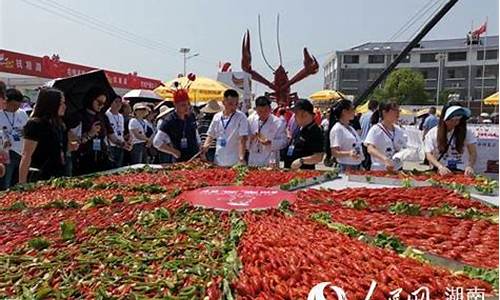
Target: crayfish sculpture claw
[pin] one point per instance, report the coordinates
(246, 62)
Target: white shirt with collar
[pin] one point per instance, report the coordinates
(12, 123)
(272, 129)
(118, 124)
(228, 130)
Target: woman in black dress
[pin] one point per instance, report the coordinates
(45, 138)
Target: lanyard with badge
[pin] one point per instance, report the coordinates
(184, 141)
(451, 163)
(222, 140)
(356, 146)
(258, 132)
(291, 148)
(390, 136)
(117, 124)
(15, 134)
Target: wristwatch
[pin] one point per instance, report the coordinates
(301, 160)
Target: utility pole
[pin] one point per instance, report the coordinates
(439, 15)
(441, 57)
(184, 52)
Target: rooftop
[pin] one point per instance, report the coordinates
(425, 45)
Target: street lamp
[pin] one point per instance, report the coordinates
(441, 57)
(185, 52)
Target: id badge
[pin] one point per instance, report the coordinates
(96, 145)
(184, 143)
(452, 164)
(291, 148)
(222, 142)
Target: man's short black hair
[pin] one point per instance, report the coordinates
(373, 105)
(305, 105)
(14, 95)
(262, 101)
(3, 87)
(231, 93)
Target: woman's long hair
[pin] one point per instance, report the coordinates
(377, 115)
(47, 106)
(459, 131)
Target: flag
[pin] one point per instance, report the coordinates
(480, 30)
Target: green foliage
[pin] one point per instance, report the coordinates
(405, 85)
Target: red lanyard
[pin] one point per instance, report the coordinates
(391, 137)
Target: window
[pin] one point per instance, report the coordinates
(455, 74)
(489, 72)
(350, 74)
(457, 56)
(490, 54)
(429, 74)
(373, 74)
(376, 59)
(351, 59)
(428, 57)
(404, 60)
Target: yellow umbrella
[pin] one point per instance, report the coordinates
(203, 89)
(424, 111)
(362, 108)
(406, 112)
(492, 99)
(327, 95)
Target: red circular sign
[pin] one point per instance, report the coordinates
(238, 197)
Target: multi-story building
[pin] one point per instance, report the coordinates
(452, 64)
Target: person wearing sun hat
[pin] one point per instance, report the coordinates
(208, 113)
(178, 134)
(138, 128)
(451, 146)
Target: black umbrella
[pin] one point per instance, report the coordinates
(76, 87)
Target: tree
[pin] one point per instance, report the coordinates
(405, 85)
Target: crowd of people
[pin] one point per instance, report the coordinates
(110, 133)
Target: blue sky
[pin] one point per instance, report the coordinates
(214, 29)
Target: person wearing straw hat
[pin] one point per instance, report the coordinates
(208, 113)
(178, 134)
(163, 158)
(451, 146)
(138, 128)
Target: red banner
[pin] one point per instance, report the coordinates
(238, 197)
(53, 67)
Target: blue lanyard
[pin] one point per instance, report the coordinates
(263, 123)
(8, 120)
(227, 124)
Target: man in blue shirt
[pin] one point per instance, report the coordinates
(366, 124)
(178, 134)
(431, 121)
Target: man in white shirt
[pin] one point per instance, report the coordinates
(116, 140)
(230, 129)
(267, 135)
(12, 121)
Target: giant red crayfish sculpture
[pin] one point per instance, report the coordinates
(281, 83)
